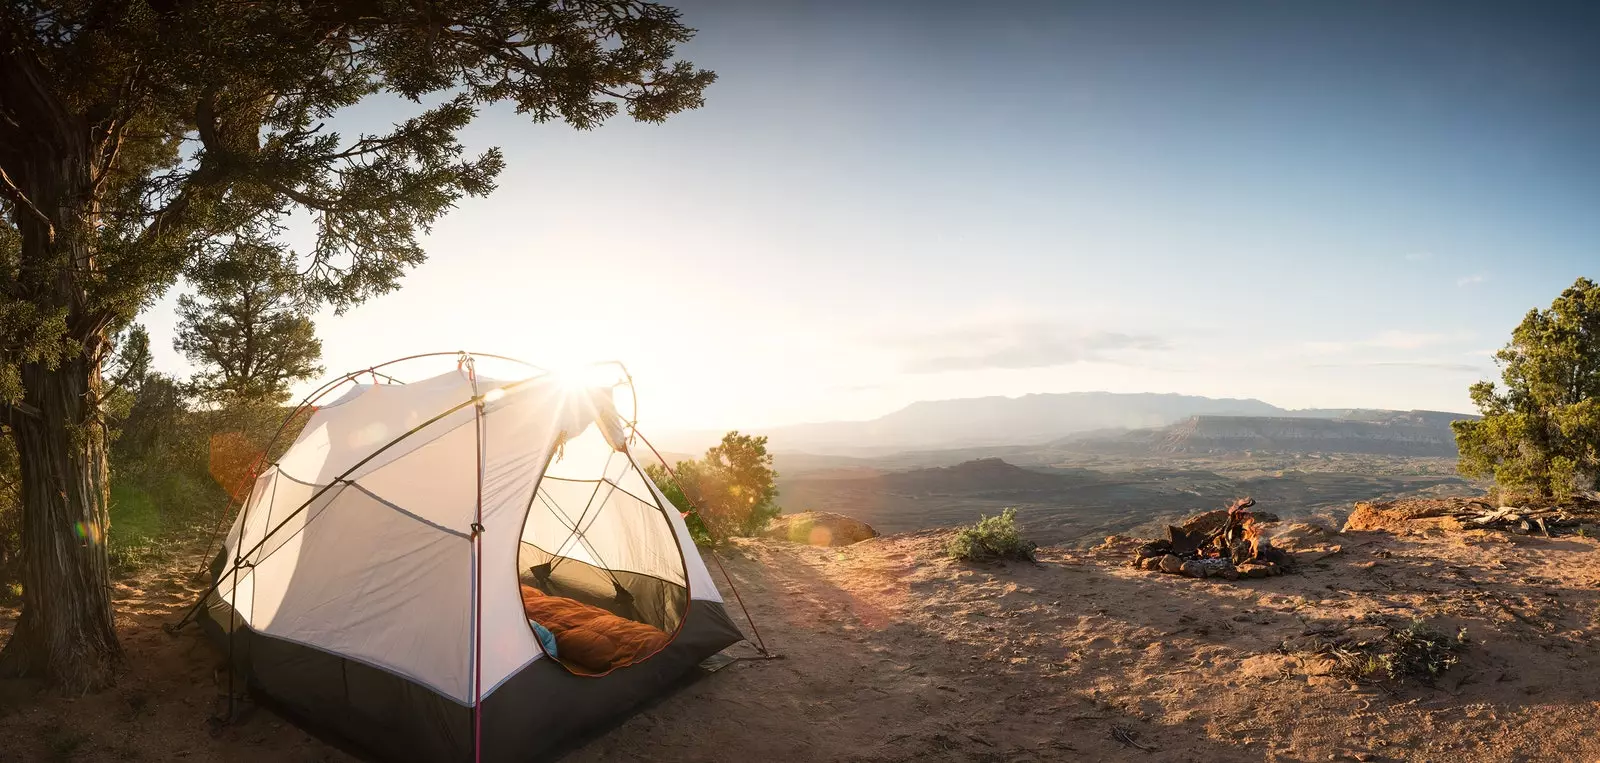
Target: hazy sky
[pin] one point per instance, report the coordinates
(1329, 204)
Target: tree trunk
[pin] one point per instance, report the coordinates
(65, 635)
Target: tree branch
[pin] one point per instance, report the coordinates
(25, 409)
(21, 200)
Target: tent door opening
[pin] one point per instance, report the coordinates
(603, 579)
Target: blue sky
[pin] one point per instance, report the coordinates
(1317, 204)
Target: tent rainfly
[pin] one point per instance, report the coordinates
(461, 568)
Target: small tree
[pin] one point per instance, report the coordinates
(732, 491)
(1542, 432)
(248, 328)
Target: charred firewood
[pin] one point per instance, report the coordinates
(1181, 542)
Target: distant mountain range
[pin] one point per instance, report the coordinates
(1052, 418)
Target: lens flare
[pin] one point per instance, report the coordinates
(90, 532)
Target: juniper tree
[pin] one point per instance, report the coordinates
(1542, 432)
(247, 328)
(131, 131)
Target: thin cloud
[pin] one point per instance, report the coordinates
(1471, 280)
(1427, 366)
(1388, 340)
(1018, 346)
(1419, 256)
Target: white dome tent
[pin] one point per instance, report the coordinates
(400, 576)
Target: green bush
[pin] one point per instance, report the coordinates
(990, 539)
(733, 491)
(1415, 651)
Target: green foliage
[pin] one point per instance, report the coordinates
(991, 539)
(10, 517)
(1541, 434)
(732, 491)
(248, 329)
(179, 123)
(1419, 651)
(669, 488)
(1413, 652)
(174, 464)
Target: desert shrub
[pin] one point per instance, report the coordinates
(1415, 651)
(698, 532)
(732, 491)
(991, 538)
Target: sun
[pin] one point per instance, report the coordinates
(583, 377)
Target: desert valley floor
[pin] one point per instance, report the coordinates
(893, 653)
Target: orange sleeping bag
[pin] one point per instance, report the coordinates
(590, 637)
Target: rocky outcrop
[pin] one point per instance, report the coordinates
(819, 528)
(1405, 516)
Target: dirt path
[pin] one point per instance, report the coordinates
(892, 653)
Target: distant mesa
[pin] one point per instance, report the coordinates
(819, 528)
(1070, 419)
(1384, 433)
(975, 476)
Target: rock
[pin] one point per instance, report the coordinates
(1252, 570)
(819, 528)
(1229, 573)
(1193, 569)
(1303, 534)
(1409, 515)
(1119, 543)
(1170, 563)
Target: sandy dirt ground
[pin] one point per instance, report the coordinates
(893, 653)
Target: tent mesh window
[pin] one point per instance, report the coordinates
(597, 533)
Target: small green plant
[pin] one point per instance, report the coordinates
(990, 539)
(1415, 651)
(1419, 651)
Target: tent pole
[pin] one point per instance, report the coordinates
(477, 569)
